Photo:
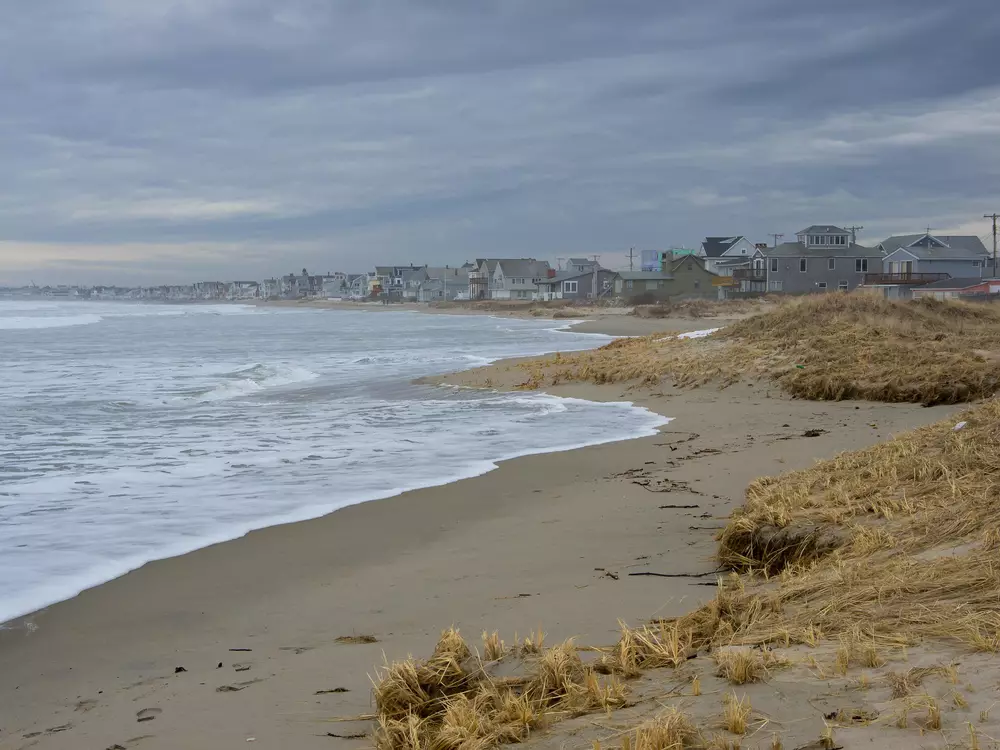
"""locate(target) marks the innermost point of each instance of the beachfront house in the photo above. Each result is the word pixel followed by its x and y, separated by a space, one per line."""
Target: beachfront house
pixel 823 258
pixel 236 290
pixel 270 289
pixel 912 260
pixel 507 278
pixel 594 283
pixel 715 250
pixel 690 277
pixel 642 287
pixel 445 284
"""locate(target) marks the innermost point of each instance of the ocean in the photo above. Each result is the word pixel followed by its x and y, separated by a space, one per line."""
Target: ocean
pixel 133 432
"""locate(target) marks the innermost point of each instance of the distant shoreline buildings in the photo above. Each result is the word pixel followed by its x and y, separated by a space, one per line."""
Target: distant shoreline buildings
pixel 823 258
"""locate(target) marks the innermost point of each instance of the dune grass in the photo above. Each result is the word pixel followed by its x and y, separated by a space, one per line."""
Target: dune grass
pixel 872 551
pixel 451 701
pixel 824 347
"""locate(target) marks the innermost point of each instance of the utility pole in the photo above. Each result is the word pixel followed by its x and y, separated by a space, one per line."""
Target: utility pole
pixel 994 217
pixel 854 234
pixel 776 238
pixel 631 258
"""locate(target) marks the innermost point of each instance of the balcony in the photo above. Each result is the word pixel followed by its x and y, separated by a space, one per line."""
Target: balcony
pixel 750 274
pixel 913 279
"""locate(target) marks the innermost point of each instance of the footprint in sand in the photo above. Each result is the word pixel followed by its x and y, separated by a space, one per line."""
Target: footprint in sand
pixel 148 714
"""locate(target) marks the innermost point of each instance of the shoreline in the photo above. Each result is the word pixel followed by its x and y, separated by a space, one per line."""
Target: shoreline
pixel 528 544
pixel 486 466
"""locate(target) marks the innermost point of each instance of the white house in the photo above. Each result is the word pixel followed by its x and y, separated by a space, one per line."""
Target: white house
pixel 518 279
pixel 715 250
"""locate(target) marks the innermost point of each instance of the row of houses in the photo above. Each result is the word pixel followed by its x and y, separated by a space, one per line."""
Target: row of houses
pixel 825 257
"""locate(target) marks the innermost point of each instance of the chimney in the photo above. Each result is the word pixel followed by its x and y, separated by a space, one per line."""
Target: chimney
pixel 552 273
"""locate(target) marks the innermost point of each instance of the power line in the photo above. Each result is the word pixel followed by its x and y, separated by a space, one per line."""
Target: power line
pixel 776 238
pixel 854 234
pixel 994 217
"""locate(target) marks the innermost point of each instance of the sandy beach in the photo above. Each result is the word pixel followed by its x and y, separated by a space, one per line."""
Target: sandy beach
pixel 238 642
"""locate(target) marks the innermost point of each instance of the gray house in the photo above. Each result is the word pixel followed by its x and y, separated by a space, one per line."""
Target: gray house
pixel 576 285
pixel 959 257
pixel 643 286
pixel 823 259
pixel 517 278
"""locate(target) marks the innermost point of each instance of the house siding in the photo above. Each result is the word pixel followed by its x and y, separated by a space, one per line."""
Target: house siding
pixel 957 269
pixel 691 279
pixel 794 281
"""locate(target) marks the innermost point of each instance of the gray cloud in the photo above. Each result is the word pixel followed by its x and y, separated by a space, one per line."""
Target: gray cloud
pixel 234 138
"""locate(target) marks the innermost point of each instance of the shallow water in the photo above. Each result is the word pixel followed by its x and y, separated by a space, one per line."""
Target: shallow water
pixel 135 432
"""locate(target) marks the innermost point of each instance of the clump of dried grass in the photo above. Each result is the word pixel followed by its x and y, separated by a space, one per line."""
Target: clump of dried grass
pixel 740 666
pixel 649 647
pixel 670 730
pixel 826 347
pixel 736 713
pixel 452 702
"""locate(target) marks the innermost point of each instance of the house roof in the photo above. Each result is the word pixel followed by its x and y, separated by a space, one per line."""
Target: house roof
pixel 456 272
pixel 716 246
pixel 570 275
pixel 679 259
pixel 823 229
pixel 527 268
pixel 741 260
pixel 798 250
pixel 646 275
pixel 953 283
pixel 959 247
pixel 581 262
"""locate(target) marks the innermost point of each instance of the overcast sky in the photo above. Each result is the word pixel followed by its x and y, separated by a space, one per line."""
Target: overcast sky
pixel 176 140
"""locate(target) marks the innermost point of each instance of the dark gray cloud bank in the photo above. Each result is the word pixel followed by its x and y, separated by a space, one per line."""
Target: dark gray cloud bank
pixel 181 139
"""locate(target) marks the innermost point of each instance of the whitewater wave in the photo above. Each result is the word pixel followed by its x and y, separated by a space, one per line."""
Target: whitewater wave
pixel 254 379
pixel 24 323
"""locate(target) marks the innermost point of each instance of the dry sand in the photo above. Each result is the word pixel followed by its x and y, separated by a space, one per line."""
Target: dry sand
pixel 544 541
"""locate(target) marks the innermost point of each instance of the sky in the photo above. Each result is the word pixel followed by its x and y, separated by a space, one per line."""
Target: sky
pixel 182 140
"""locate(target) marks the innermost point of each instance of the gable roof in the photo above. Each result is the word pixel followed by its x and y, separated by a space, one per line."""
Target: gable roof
pixel 527 268
pixel 451 272
pixel 797 249
pixel 959 247
pixel 582 262
pixel 822 229
pixel 716 246
pixel 693 259
pixel 646 275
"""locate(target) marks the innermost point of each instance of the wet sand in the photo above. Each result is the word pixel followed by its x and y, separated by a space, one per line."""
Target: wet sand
pixel 530 544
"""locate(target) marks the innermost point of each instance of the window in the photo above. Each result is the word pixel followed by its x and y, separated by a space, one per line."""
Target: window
pixel 570 287
pixel 843 286
pixel 774 286
pixel 774 265
pixel 802 265
pixel 628 284
pixel 697 284
pixel 975 264
pixel 861 265
pixel 743 251
pixel 821 285
pixel 831 264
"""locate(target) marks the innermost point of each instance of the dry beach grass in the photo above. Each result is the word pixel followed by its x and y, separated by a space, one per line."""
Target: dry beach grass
pixel 909 532
pixel 862 556
pixel 826 347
